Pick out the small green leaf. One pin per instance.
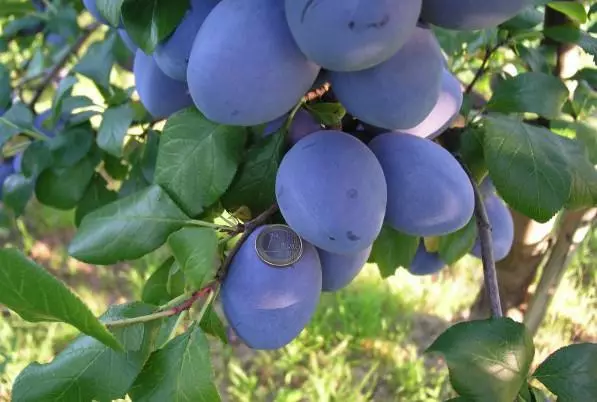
(150, 21)
(87, 370)
(115, 124)
(393, 249)
(456, 245)
(574, 11)
(181, 371)
(149, 156)
(5, 87)
(197, 159)
(16, 120)
(583, 189)
(471, 152)
(110, 9)
(254, 184)
(587, 74)
(35, 295)
(212, 324)
(63, 188)
(328, 113)
(538, 93)
(96, 195)
(112, 233)
(527, 166)
(115, 167)
(97, 62)
(488, 360)
(571, 373)
(156, 289)
(63, 91)
(196, 250)
(16, 192)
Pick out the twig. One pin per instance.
(246, 230)
(483, 68)
(74, 48)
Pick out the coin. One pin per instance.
(279, 246)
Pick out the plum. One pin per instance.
(502, 228)
(331, 190)
(245, 69)
(398, 93)
(172, 54)
(160, 94)
(486, 187)
(429, 194)
(471, 14)
(17, 162)
(269, 306)
(55, 39)
(425, 263)
(91, 6)
(302, 125)
(6, 170)
(126, 39)
(39, 123)
(351, 35)
(338, 270)
(444, 112)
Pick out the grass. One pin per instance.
(365, 343)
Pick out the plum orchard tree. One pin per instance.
(273, 147)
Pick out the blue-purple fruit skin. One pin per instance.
(6, 170)
(17, 162)
(425, 263)
(245, 68)
(486, 187)
(269, 306)
(471, 14)
(55, 39)
(128, 42)
(502, 228)
(351, 35)
(302, 125)
(38, 123)
(91, 6)
(331, 190)
(429, 194)
(339, 270)
(160, 94)
(172, 55)
(398, 93)
(444, 112)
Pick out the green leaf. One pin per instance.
(16, 192)
(110, 9)
(128, 228)
(181, 371)
(148, 22)
(538, 93)
(135, 182)
(456, 245)
(5, 87)
(571, 34)
(570, 373)
(328, 113)
(115, 124)
(36, 158)
(583, 189)
(63, 188)
(97, 62)
(488, 360)
(156, 290)
(63, 91)
(34, 294)
(71, 146)
(254, 185)
(575, 11)
(196, 250)
(527, 166)
(393, 249)
(16, 120)
(115, 167)
(176, 280)
(197, 159)
(149, 156)
(96, 195)
(212, 324)
(87, 370)
(587, 74)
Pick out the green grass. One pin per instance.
(365, 343)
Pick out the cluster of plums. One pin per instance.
(249, 62)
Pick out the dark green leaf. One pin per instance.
(572, 34)
(97, 62)
(87, 370)
(110, 9)
(456, 245)
(115, 124)
(393, 249)
(575, 11)
(63, 91)
(97, 195)
(527, 166)
(329, 114)
(5, 87)
(471, 152)
(583, 189)
(16, 192)
(488, 360)
(112, 233)
(34, 294)
(176, 280)
(181, 371)
(36, 158)
(71, 146)
(150, 21)
(212, 324)
(571, 373)
(115, 167)
(16, 120)
(589, 75)
(530, 92)
(197, 159)
(254, 185)
(63, 188)
(156, 289)
(134, 183)
(196, 251)
(149, 156)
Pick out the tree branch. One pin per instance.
(483, 68)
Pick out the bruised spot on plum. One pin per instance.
(309, 146)
(376, 24)
(280, 192)
(352, 193)
(331, 238)
(351, 236)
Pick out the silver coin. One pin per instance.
(279, 246)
